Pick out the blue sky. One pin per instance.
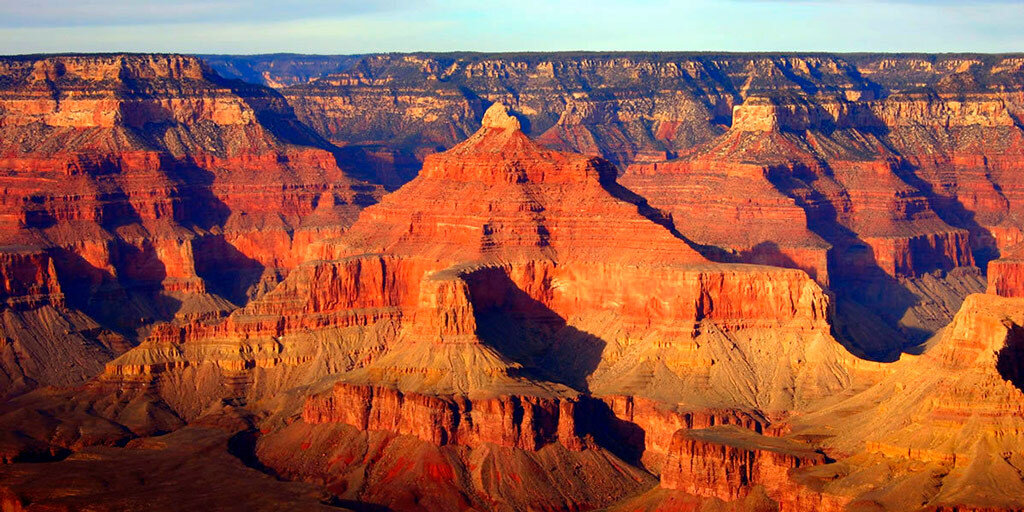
(348, 26)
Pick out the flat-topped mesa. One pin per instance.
(765, 114)
(524, 422)
(660, 423)
(110, 90)
(727, 462)
(1006, 274)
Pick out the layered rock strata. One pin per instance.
(952, 415)
(44, 340)
(157, 189)
(483, 302)
(884, 169)
(1006, 274)
(728, 463)
(513, 329)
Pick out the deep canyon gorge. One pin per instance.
(524, 281)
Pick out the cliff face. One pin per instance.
(729, 463)
(952, 414)
(44, 340)
(619, 106)
(279, 70)
(817, 190)
(517, 327)
(526, 423)
(402, 472)
(499, 232)
(1006, 274)
(490, 303)
(156, 190)
(868, 171)
(638, 107)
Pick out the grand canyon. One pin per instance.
(632, 282)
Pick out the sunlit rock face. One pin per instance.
(151, 190)
(881, 176)
(502, 256)
(770, 304)
(510, 297)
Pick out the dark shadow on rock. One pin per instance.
(1010, 359)
(277, 116)
(130, 299)
(953, 212)
(377, 163)
(198, 205)
(608, 181)
(854, 275)
(528, 332)
(356, 506)
(226, 271)
(242, 446)
(274, 113)
(623, 438)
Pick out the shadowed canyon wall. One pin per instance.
(512, 281)
(152, 190)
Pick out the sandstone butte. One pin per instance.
(514, 328)
(885, 176)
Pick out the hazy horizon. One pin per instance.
(378, 26)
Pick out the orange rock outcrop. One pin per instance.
(729, 463)
(953, 413)
(516, 327)
(156, 190)
(484, 302)
(1006, 274)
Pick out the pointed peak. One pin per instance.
(497, 116)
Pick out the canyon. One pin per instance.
(568, 281)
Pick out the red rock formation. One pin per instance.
(817, 187)
(160, 190)
(797, 185)
(953, 414)
(727, 463)
(775, 229)
(527, 423)
(509, 221)
(406, 473)
(660, 424)
(514, 308)
(42, 338)
(897, 181)
(403, 306)
(1006, 274)
(28, 279)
